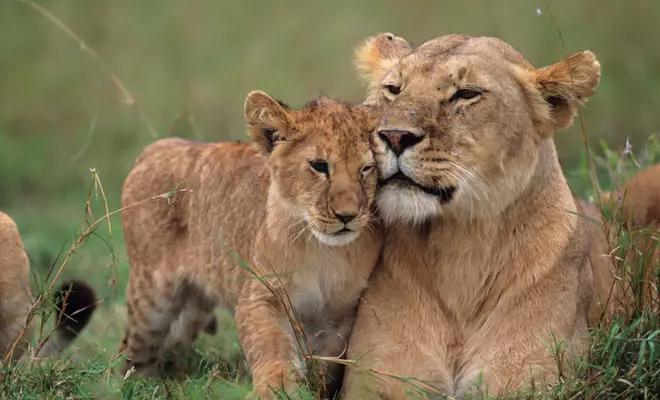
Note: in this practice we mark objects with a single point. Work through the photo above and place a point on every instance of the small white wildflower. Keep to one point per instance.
(627, 151)
(538, 12)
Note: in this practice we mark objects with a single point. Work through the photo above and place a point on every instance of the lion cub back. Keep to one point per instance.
(194, 204)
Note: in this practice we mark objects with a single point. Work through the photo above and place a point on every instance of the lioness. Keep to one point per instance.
(75, 301)
(638, 201)
(484, 253)
(295, 206)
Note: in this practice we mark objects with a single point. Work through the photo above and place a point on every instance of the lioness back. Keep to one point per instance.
(635, 207)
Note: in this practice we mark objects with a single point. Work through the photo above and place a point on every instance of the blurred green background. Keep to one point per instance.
(189, 65)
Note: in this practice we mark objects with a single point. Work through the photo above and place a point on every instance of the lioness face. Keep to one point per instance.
(321, 166)
(463, 120)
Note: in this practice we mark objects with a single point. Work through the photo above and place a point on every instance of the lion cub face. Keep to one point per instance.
(321, 166)
(463, 121)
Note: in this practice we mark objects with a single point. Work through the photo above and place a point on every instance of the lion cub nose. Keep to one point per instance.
(345, 217)
(398, 140)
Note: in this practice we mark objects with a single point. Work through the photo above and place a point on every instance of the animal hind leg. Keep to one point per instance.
(152, 308)
(14, 334)
(196, 316)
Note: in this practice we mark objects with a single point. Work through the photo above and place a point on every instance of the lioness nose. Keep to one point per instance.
(346, 217)
(398, 141)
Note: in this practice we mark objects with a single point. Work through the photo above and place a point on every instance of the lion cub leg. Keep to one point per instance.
(153, 305)
(195, 317)
(269, 348)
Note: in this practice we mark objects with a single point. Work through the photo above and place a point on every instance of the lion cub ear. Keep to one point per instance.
(568, 84)
(377, 56)
(269, 121)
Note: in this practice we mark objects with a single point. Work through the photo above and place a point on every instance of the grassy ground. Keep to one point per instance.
(186, 67)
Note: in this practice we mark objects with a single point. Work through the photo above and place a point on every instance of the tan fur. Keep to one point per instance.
(635, 207)
(484, 259)
(606, 292)
(639, 198)
(266, 205)
(16, 301)
(15, 294)
(376, 56)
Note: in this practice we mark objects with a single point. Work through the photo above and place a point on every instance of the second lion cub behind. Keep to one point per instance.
(302, 219)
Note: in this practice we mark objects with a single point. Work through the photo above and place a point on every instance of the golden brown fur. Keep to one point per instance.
(277, 205)
(16, 301)
(376, 56)
(484, 256)
(634, 207)
(15, 294)
(605, 295)
(639, 198)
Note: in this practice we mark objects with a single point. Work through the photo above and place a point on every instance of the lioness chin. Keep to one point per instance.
(482, 246)
(75, 302)
(295, 207)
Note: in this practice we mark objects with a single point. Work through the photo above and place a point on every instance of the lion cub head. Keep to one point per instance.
(321, 167)
(464, 119)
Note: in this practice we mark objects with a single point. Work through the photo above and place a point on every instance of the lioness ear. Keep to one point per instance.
(269, 120)
(377, 56)
(568, 84)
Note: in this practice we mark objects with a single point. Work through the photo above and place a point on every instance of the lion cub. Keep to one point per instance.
(295, 206)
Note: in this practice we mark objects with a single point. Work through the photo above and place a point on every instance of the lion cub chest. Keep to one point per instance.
(326, 286)
(324, 291)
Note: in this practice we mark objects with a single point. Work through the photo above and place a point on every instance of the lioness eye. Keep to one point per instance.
(320, 166)
(465, 94)
(393, 89)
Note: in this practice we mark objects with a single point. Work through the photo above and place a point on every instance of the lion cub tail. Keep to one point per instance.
(75, 302)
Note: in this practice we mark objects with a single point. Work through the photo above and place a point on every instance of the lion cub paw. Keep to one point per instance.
(274, 380)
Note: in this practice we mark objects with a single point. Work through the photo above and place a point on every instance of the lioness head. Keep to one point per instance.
(464, 119)
(321, 166)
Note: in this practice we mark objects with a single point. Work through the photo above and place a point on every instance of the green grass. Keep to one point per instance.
(188, 66)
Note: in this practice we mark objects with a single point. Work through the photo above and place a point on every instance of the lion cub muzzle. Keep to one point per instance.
(347, 213)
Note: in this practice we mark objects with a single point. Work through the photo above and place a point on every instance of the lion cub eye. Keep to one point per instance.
(367, 169)
(320, 166)
(465, 94)
(393, 89)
